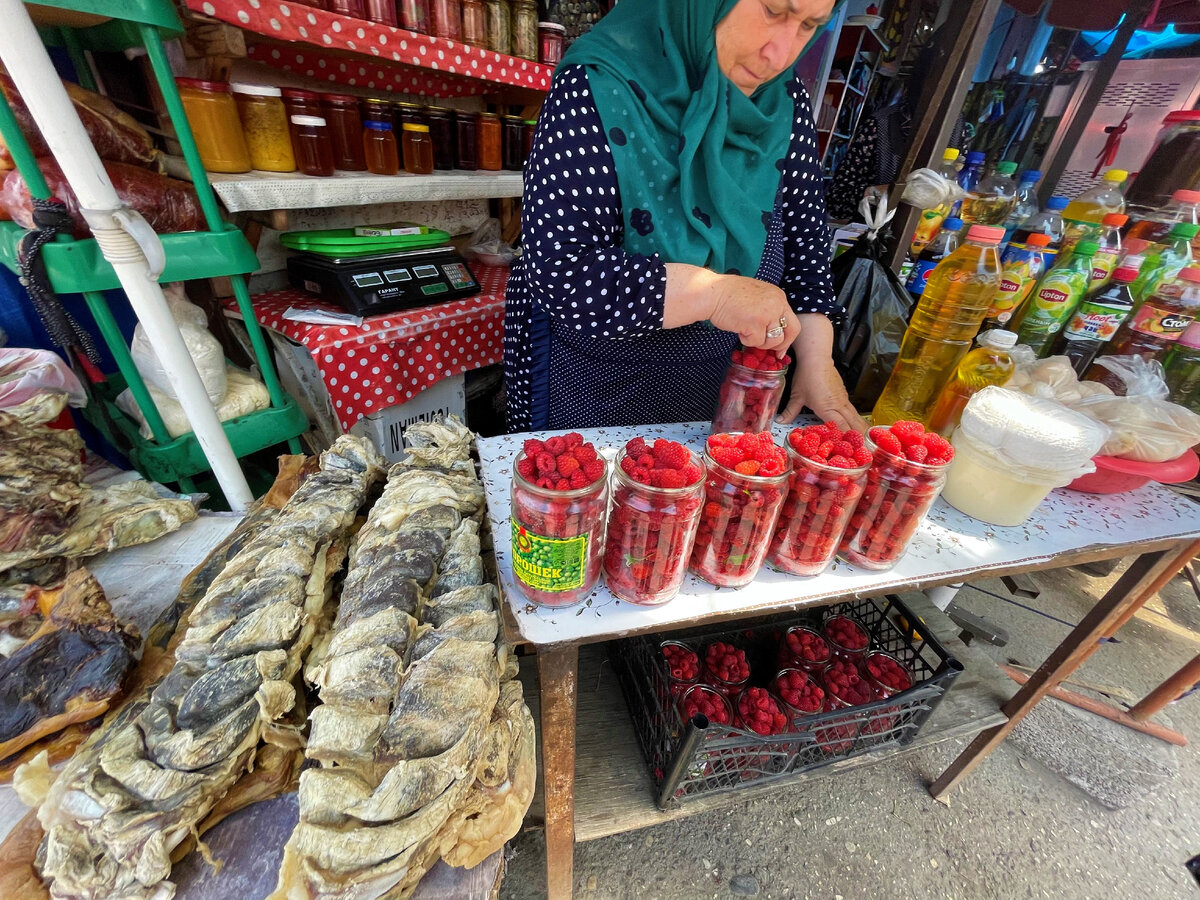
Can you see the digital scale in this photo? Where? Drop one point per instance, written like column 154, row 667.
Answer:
column 384, row 282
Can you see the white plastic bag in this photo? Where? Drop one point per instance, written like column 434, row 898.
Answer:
column 1144, row 428
column 927, row 188
column 25, row 373
column 205, row 349
column 1132, row 376
column 1052, row 378
column 245, row 394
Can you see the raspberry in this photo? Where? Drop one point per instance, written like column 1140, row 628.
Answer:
column 841, row 462
column 938, row 460
column 908, row 432
column 527, row 469
column 578, row 479
column 555, row 446
column 824, row 450
column 862, row 456
column 628, row 465
column 567, row 465
column 585, row 454
column 691, row 473
column 842, row 448
column 937, row 445
column 593, row 469
column 854, row 439
column 671, row 453
column 722, row 440
column 747, row 467
column 546, row 464
column 533, row 447
column 916, row 453
column 712, row 510
column 636, row 447
column 771, row 468
column 747, row 443
column 670, row 478
column 573, row 439
column 562, row 485
column 887, row 441
column 726, row 456
column 809, row 442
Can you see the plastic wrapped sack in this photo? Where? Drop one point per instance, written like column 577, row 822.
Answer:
column 1144, row 428
column 927, row 188
column 26, row 373
column 244, row 394
column 486, row 246
column 1052, row 378
column 168, row 205
column 1132, row 376
column 205, row 350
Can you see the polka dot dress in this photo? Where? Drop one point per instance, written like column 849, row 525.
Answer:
column 584, row 345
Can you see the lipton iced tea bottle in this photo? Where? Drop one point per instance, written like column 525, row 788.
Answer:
column 1157, row 324
column 987, row 364
column 1096, row 321
column 957, row 296
column 1021, row 267
column 1055, row 298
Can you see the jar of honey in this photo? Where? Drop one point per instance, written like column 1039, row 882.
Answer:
column 376, row 110
column 379, row 145
column 345, row 130
column 491, row 157
column 213, row 117
column 447, row 19
column 552, row 37
column 467, row 143
column 265, row 127
column 381, row 11
column 525, row 29
column 300, row 103
column 513, row 143
column 313, row 147
column 441, row 132
column 474, row 24
column 418, row 149
column 499, row 26
column 415, row 15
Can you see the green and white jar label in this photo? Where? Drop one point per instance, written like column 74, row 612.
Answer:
column 548, row 564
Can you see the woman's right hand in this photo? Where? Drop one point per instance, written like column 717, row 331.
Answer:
column 756, row 311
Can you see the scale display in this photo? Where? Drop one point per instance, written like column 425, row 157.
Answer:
column 373, row 285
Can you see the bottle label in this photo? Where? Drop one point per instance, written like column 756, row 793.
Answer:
column 1015, row 286
column 1095, row 322
column 1054, row 301
column 547, row 564
column 1104, row 263
column 920, row 276
column 1164, row 324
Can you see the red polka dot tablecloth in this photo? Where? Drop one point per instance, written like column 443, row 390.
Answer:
column 390, row 359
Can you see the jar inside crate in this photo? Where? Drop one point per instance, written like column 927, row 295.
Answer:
column 683, row 666
column 801, row 647
column 726, row 668
column 848, row 638
column 821, row 498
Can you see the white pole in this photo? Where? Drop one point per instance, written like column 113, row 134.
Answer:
column 25, row 58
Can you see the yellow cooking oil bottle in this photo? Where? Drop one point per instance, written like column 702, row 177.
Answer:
column 986, row 365
column 957, row 297
column 1084, row 215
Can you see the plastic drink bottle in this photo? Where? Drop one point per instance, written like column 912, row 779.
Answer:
column 1160, row 320
column 1181, row 368
column 1026, row 206
column 1164, row 261
column 1154, row 227
column 956, row 298
column 1055, row 298
column 992, row 201
column 1049, row 222
column 1108, row 249
column 943, row 244
column 987, row 364
column 1096, row 320
column 1021, row 267
column 1084, row 214
column 932, row 219
column 969, row 176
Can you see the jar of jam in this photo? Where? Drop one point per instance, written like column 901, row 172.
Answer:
column 404, row 113
column 530, row 130
column 415, row 15
column 381, row 11
column 499, row 26
column 467, row 128
column 418, row 149
column 265, row 126
column 551, row 39
column 352, row 8
column 300, row 103
column 525, row 29
column 446, row 16
column 213, row 117
column 379, row 146
column 491, row 157
column 441, row 132
column 474, row 23
column 376, row 110
column 513, row 143
column 314, row 149
column 346, row 131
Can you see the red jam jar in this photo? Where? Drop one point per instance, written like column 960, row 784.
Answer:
column 821, row 498
column 886, row 674
column 313, row 147
column 736, row 524
column 702, row 700
column 446, row 19
column 683, row 666
column 353, row 8
column 847, row 637
column 749, row 399
column 845, row 688
column 552, row 37
column 381, row 11
column 650, row 535
column 415, row 15
column 803, row 648
column 341, row 111
column 557, row 539
column 895, row 501
column 799, row 691
column 726, row 668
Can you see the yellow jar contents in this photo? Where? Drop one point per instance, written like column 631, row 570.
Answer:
column 418, row 149
column 213, row 118
column 265, row 126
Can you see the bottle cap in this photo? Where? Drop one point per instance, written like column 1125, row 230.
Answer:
column 1117, row 176
column 1058, row 204
column 314, row 121
column 1038, row 239
column 255, row 90
column 950, row 154
column 1006, row 168
column 1184, row 230
column 377, row 126
column 1114, row 219
column 999, row 338
column 1135, row 245
column 975, row 157
column 416, row 126
column 954, row 223
column 1031, row 175
column 1186, row 196
column 1191, row 274
column 986, row 234
column 1086, row 248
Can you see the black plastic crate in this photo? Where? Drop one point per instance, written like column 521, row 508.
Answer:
column 691, row 758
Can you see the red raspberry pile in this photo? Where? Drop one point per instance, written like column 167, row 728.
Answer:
column 682, row 662
column 708, row 703
column 664, row 464
column 846, row 634
column 888, row 672
column 748, row 453
column 763, row 360
column 799, row 691
column 562, row 463
column 911, row 441
column 830, row 445
column 760, row 712
column 806, row 647
column 725, row 664
column 843, row 680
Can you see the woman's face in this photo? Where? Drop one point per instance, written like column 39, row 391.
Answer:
column 761, row 38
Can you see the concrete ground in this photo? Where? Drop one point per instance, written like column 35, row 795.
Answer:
column 1015, row 829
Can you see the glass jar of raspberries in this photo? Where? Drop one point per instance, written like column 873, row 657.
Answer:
column 760, row 712
column 886, row 674
column 906, row 477
column 744, row 490
column 726, row 668
column 829, row 469
column 804, row 649
column 704, row 701
column 800, row 693
column 751, row 392
column 658, row 490
column 683, row 666
column 559, row 501
column 847, row 637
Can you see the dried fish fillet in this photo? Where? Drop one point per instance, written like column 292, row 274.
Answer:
column 127, row 800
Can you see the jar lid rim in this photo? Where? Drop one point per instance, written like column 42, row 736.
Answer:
column 203, row 84
column 415, row 126
column 553, row 26
column 315, row 121
column 255, row 90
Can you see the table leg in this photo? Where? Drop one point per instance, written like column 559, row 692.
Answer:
column 1129, row 589
column 558, row 677
column 1169, row 691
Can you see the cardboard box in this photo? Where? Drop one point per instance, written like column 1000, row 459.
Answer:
column 386, row 427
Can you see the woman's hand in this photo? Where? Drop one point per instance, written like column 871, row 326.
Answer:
column 817, row 383
column 757, row 312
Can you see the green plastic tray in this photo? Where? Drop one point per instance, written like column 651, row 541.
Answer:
column 344, row 242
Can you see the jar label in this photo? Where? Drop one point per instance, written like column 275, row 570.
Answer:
column 1160, row 323
column 548, row 564
column 1095, row 322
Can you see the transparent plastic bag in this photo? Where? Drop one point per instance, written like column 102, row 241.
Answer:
column 486, row 247
column 1132, row 376
column 245, row 394
column 1052, row 378
column 206, row 350
column 927, row 188
column 1146, row 429
column 26, row 373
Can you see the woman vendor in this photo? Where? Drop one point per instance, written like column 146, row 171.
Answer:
column 672, row 208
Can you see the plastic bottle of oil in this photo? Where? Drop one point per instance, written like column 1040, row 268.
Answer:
column 987, row 364
column 932, row 219
column 1084, row 214
column 957, row 297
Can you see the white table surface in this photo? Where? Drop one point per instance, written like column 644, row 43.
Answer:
column 948, row 547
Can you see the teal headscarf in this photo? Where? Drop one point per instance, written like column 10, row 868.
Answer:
column 698, row 162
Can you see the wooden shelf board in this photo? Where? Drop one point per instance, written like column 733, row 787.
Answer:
column 614, row 792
